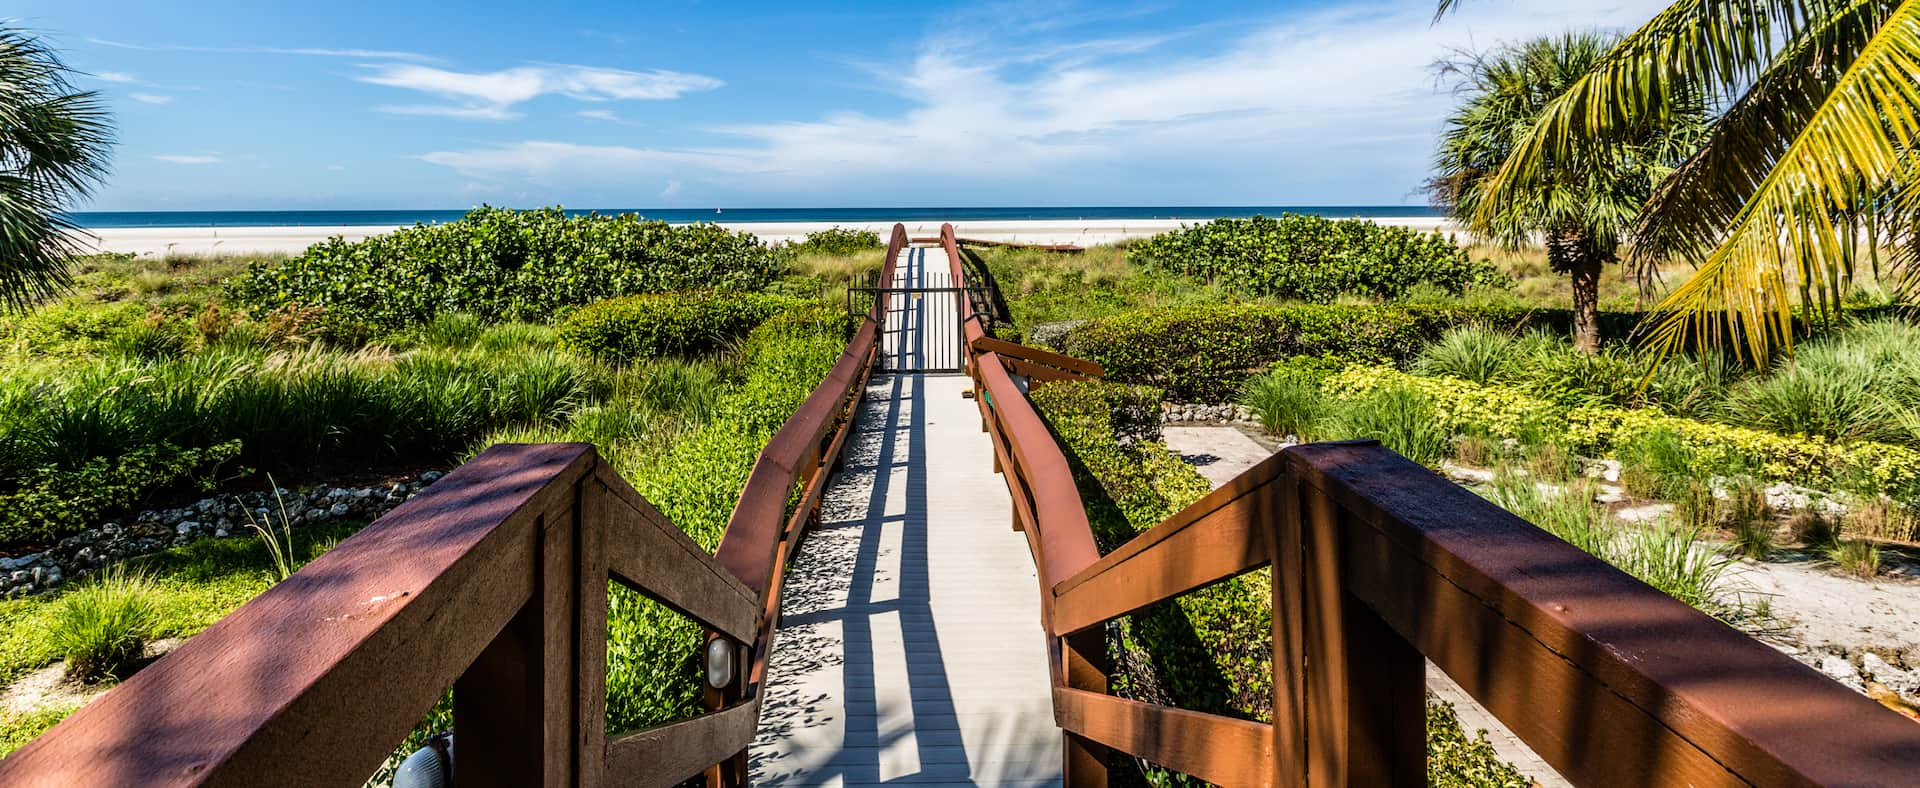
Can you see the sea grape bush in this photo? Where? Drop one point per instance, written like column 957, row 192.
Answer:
column 500, row 264
column 1313, row 259
column 839, row 241
column 666, row 324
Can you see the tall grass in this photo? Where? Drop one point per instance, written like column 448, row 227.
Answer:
column 1400, row 417
column 102, row 626
column 1474, row 353
column 1285, row 404
column 1674, row 559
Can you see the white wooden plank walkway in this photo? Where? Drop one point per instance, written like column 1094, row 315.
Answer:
column 910, row 647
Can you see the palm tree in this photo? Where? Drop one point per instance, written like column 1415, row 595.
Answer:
column 1818, row 115
column 54, row 142
column 1580, row 206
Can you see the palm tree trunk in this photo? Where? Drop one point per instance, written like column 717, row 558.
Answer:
column 1578, row 255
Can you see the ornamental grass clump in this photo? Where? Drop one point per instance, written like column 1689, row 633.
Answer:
column 1401, row 417
column 1856, row 557
column 1474, row 353
column 102, row 626
column 1285, row 404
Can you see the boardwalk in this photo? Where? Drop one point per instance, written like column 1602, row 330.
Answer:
column 892, row 666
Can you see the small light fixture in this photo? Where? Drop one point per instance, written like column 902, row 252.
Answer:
column 719, row 663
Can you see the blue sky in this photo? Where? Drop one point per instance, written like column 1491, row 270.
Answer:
column 227, row 105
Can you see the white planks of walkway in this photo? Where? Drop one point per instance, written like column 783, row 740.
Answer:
column 910, row 648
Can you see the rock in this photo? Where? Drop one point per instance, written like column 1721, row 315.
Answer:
column 431, row 476
column 340, row 509
column 219, row 533
column 363, row 493
column 184, row 528
column 1905, row 682
column 1839, row 669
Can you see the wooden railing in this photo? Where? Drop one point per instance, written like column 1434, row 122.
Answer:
column 493, row 582
column 1378, row 562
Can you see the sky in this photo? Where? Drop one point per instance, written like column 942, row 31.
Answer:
column 229, row 105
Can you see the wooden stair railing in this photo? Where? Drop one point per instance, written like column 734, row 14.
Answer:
column 492, row 582
column 1378, row 562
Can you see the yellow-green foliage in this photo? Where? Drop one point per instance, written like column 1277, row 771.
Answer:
column 1505, row 412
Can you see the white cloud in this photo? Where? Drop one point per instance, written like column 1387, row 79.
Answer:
column 362, row 54
column 435, row 110
column 150, row 98
column 119, row 77
column 181, row 158
column 1302, row 103
column 598, row 114
column 672, row 189
column 491, row 94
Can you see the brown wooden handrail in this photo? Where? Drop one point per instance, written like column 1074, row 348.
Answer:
column 492, row 582
column 1377, row 563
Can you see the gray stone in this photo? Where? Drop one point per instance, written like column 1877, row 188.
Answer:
column 340, row 509
column 316, row 514
column 1905, row 682
column 1839, row 669
column 184, row 528
column 431, row 476
column 219, row 533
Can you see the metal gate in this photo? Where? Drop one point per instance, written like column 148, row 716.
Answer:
column 921, row 327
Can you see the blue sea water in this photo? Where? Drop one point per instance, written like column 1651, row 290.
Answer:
column 110, row 219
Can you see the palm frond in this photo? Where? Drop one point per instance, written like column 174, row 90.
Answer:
column 1687, row 215
column 1708, row 48
column 1853, row 144
column 55, row 142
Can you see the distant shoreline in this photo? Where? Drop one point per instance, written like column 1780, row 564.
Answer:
column 99, row 220
column 161, row 241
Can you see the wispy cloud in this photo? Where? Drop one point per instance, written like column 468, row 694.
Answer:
column 119, row 78
column 361, row 54
column 181, row 158
column 150, row 98
column 492, row 94
column 1308, row 103
column 439, row 111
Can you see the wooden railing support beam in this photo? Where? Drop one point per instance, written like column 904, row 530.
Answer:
column 1085, row 661
column 515, row 708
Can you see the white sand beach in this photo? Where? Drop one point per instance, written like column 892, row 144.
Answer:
column 164, row 241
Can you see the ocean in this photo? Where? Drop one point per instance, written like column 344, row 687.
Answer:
column 110, row 219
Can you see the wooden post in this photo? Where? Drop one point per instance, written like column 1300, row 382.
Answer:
column 596, row 517
column 1087, row 667
column 732, row 772
column 1355, row 707
column 515, row 708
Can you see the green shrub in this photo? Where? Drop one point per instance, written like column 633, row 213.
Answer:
column 500, row 264
column 1457, row 760
column 101, row 627
column 51, row 501
column 665, row 324
column 1312, row 259
column 1204, row 353
column 839, row 241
